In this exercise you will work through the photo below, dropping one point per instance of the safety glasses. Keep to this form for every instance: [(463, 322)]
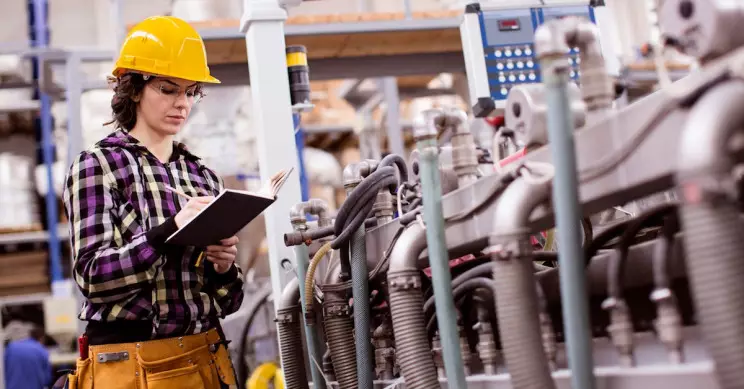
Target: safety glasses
[(168, 89)]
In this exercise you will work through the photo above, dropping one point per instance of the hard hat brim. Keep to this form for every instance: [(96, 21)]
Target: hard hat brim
[(119, 71)]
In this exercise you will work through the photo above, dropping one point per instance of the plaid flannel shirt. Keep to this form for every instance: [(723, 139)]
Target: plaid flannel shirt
[(120, 216)]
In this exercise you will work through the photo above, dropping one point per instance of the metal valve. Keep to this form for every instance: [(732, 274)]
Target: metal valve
[(701, 28), (526, 113)]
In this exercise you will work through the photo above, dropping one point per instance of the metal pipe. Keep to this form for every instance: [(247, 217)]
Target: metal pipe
[(517, 303), (426, 143), (302, 237), (597, 87), (290, 336), (550, 47), (713, 225), (406, 302), (315, 207), (312, 333), (464, 152)]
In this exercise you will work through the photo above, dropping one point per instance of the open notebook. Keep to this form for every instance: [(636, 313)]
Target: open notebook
[(230, 211)]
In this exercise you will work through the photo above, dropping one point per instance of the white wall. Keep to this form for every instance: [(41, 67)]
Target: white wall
[(75, 23)]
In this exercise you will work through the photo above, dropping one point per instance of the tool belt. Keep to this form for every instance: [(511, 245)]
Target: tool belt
[(191, 362)]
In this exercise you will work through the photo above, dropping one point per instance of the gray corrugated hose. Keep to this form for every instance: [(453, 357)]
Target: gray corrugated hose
[(713, 227), (516, 296), (406, 305), (340, 336), (362, 315), (290, 337)]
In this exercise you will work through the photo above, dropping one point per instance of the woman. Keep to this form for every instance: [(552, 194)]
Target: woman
[(152, 308)]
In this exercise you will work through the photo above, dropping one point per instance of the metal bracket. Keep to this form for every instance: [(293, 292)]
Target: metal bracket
[(112, 357)]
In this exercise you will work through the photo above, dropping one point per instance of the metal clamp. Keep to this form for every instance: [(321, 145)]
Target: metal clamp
[(112, 357)]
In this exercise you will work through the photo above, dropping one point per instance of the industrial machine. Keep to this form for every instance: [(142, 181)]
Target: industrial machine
[(438, 279), (498, 43)]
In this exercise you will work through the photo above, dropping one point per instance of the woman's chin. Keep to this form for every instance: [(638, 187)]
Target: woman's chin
[(169, 129)]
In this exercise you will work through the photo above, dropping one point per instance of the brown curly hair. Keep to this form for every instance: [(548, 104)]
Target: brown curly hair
[(127, 92)]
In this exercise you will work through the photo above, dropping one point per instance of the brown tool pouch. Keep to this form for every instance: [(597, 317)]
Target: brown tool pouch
[(192, 362)]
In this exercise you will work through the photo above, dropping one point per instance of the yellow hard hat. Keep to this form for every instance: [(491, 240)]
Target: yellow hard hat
[(165, 46)]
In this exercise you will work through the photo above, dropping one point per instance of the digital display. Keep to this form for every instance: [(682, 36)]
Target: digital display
[(509, 25)]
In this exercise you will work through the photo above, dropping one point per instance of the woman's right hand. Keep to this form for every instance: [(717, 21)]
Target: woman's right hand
[(192, 208)]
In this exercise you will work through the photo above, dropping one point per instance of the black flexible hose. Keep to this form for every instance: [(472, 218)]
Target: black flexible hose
[(604, 237), (360, 207), (409, 217), (415, 204), (481, 271), (356, 222), (397, 160), (665, 246), (353, 203), (460, 290), (353, 200), (654, 216), (345, 262)]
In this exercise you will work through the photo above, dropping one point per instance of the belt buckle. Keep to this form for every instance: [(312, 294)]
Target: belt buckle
[(112, 357)]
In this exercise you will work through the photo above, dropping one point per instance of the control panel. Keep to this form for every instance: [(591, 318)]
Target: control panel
[(498, 45)]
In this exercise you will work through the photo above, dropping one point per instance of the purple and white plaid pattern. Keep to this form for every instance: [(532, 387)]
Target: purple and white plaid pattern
[(115, 193)]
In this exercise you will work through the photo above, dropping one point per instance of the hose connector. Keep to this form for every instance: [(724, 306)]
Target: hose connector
[(486, 347), (620, 329), (465, 353), (669, 323), (436, 351), (382, 339)]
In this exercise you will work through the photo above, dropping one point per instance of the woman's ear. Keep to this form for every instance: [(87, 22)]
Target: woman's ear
[(136, 98)]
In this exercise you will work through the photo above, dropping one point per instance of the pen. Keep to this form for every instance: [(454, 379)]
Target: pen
[(199, 260), (178, 192)]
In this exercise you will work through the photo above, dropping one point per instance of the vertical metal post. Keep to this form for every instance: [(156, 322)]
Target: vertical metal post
[(263, 25), (40, 36), (75, 143), (300, 144), (407, 9), (555, 68), (426, 142), (389, 87)]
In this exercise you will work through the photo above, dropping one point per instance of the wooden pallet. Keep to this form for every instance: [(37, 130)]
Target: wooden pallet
[(339, 45)]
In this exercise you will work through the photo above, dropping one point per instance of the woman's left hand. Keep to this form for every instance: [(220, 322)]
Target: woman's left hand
[(223, 255)]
